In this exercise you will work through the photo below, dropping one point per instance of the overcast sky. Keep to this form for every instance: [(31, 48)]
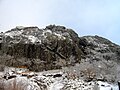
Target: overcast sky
[(86, 17)]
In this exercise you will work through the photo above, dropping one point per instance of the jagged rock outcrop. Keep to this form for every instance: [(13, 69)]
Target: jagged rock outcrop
[(40, 49), (55, 47), (87, 59)]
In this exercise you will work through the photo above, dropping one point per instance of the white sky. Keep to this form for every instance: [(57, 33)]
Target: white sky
[(86, 17)]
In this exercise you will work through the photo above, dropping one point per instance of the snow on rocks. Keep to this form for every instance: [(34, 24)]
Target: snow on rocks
[(54, 80), (34, 34), (14, 33), (33, 39), (107, 86)]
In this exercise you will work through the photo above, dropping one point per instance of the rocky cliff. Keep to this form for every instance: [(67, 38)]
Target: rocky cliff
[(40, 49), (87, 58)]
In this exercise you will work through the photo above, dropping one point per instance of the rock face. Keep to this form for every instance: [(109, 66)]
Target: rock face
[(87, 59), (40, 49), (55, 47), (102, 56)]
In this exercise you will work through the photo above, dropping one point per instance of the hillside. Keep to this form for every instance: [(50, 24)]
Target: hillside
[(87, 58)]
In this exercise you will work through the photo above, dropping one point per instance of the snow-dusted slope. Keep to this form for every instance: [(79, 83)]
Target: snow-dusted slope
[(34, 35), (52, 80), (101, 55), (84, 63), (40, 49)]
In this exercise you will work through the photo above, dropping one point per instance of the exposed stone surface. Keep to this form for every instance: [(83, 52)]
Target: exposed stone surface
[(102, 56), (40, 49), (56, 47)]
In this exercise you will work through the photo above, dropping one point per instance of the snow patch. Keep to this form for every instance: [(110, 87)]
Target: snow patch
[(107, 86), (59, 36), (14, 33), (56, 86), (33, 39)]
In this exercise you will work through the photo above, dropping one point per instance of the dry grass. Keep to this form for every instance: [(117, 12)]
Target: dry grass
[(89, 74)]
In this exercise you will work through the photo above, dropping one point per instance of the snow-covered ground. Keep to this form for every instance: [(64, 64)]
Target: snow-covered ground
[(106, 86), (55, 80)]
